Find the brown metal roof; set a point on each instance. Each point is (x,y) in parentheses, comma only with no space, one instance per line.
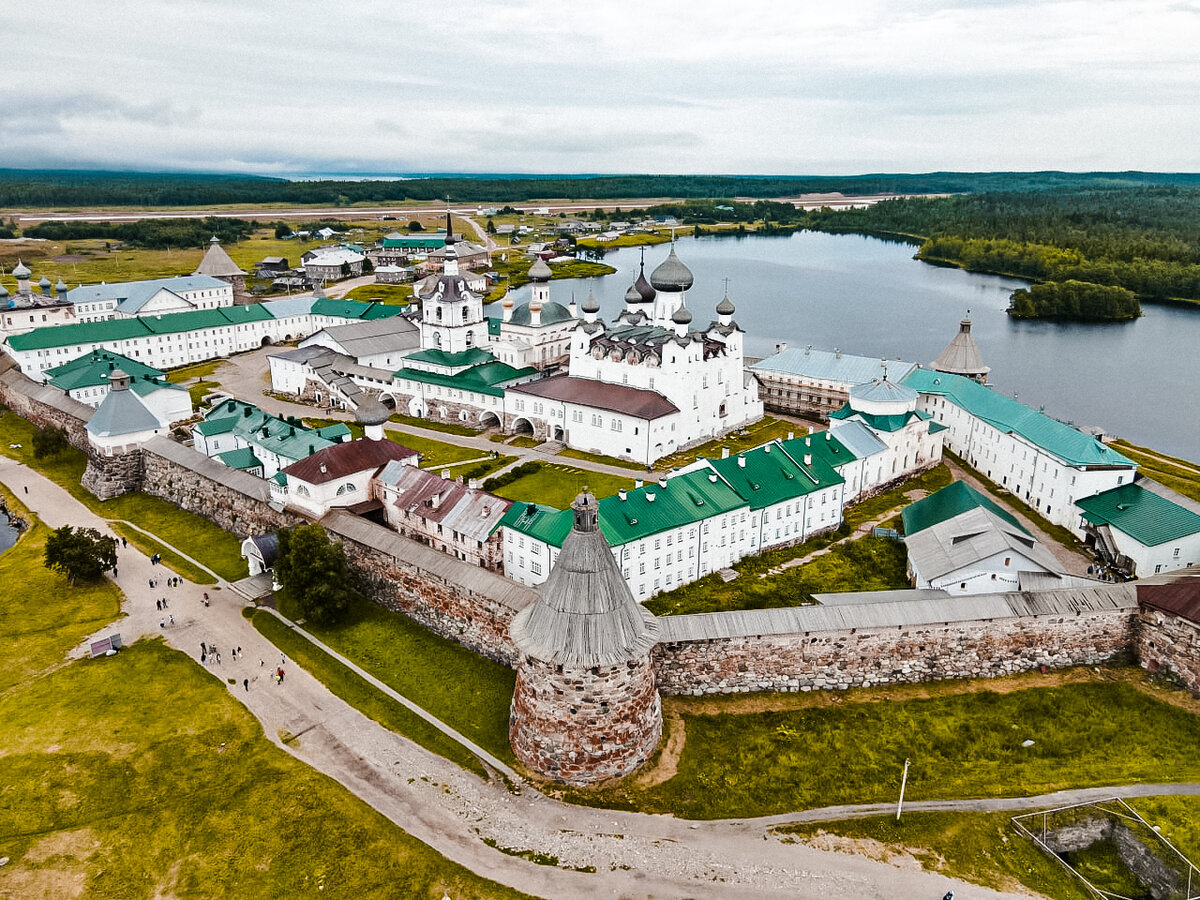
(1179,597)
(341,460)
(586,392)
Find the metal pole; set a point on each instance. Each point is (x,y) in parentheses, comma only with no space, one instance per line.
(903,782)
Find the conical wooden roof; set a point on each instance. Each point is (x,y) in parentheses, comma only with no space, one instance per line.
(962,356)
(217,263)
(585,614)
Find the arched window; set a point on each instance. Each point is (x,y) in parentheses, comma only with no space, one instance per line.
(347,488)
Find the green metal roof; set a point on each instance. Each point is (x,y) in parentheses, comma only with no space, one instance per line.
(92,370)
(148,385)
(543,523)
(493,327)
(823,446)
(1143,515)
(352,309)
(79,333)
(1071,446)
(290,440)
(878,422)
(952,500)
(472,357)
(480,379)
(243,458)
(684,499)
(772,476)
(422,243)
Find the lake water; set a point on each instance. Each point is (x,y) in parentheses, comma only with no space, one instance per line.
(8,534)
(1139,380)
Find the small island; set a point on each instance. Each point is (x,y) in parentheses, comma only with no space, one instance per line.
(1075,301)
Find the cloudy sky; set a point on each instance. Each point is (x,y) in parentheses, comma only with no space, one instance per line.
(737,86)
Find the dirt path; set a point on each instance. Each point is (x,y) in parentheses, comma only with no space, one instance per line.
(633,855)
(1158,457)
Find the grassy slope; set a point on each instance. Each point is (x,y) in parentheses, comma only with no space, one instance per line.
(964,745)
(465,690)
(1182,478)
(139,776)
(193,534)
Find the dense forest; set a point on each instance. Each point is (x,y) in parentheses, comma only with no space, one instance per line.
(150,234)
(28,188)
(1145,239)
(1075,300)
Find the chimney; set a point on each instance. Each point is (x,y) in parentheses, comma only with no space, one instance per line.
(473,485)
(781,346)
(436,500)
(741,460)
(724,453)
(829,435)
(791,435)
(445,474)
(808,459)
(324,470)
(767,448)
(622,494)
(712,476)
(837,353)
(649,496)
(637,483)
(662,482)
(311,449)
(808,441)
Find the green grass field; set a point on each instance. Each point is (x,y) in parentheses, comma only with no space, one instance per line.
(193,534)
(396,294)
(601,458)
(140,776)
(961,745)
(557,485)
(434,453)
(41,615)
(463,689)
(434,425)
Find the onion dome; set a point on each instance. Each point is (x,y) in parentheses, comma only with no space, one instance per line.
(61,287)
(633,296)
(725,307)
(539,271)
(643,287)
(3,291)
(591,304)
(672,275)
(20,270)
(371,412)
(44,283)
(682,316)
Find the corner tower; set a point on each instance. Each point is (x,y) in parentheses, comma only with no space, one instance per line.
(585,706)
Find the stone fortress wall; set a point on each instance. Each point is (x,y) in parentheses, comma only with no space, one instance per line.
(726,653)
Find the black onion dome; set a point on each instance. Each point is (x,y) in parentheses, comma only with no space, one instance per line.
(672,275)
(725,307)
(591,304)
(643,287)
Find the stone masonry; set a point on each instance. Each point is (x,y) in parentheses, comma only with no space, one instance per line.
(1170,645)
(864,657)
(584,725)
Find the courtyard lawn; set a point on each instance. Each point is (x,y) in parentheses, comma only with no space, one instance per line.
(1179,475)
(193,534)
(201,371)
(558,485)
(42,616)
(434,453)
(463,689)
(434,425)
(362,696)
(765,429)
(867,564)
(1106,732)
(933,480)
(569,453)
(480,470)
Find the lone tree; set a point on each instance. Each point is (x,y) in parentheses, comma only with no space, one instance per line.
(49,442)
(82,554)
(314,572)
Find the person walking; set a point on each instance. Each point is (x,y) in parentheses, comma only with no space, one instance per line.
(246,683)
(26,489)
(158,605)
(162,623)
(172,618)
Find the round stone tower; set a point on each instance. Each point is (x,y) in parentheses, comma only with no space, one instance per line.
(585,706)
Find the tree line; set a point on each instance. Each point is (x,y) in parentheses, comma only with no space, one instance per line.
(1074,300)
(34,188)
(149,234)
(1144,239)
